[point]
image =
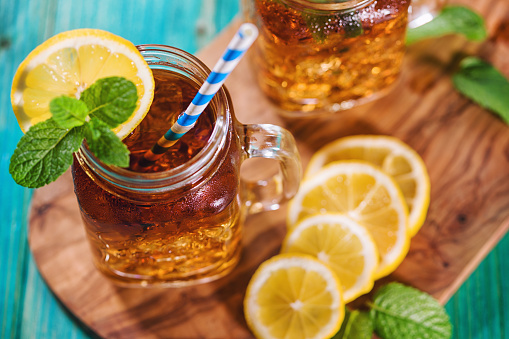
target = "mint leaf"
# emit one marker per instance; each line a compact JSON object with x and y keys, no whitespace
{"x":111,"y":100}
{"x":316,"y":25}
{"x":68,"y":112}
{"x":44,"y":153}
{"x":400,"y":311}
{"x":319,"y":25}
{"x":451,"y":20}
{"x":105,"y":144}
{"x":481,"y":82}
{"x":356,"y":325}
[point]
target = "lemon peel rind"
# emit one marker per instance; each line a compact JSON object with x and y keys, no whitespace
{"x":365,"y":282}
{"x":284,"y":261}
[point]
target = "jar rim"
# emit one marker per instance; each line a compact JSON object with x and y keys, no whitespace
{"x":331,"y":5}
{"x":193,"y":169}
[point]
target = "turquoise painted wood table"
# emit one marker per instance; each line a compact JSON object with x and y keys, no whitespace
{"x":479,"y":309}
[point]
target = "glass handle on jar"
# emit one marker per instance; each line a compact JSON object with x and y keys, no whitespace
{"x":271,"y":142}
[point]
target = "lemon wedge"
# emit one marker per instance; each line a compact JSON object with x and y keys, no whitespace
{"x":394,"y":157}
{"x":367,"y":195}
{"x":294,"y":296}
{"x":71,"y":61}
{"x":341,"y":243}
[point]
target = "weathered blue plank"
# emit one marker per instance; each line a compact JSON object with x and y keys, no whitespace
{"x":16,"y":38}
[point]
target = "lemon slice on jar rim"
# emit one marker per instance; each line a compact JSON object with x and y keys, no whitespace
{"x":70,"y":62}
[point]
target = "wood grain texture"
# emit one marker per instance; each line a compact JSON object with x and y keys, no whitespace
{"x":465,"y":148}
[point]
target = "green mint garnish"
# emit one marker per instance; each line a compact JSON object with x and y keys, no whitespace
{"x":105,"y":144}
{"x":44,"y":153}
{"x":401,"y":312}
{"x":484,"y":84}
{"x":68,"y":112}
{"x":356,"y":325}
{"x":111,"y":100}
{"x":353,"y":25}
{"x":318,"y":24}
{"x":46,"y":150}
{"x":451,"y":20}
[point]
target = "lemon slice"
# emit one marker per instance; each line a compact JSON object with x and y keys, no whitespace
{"x":294,"y":296}
{"x":68,"y":63}
{"x":365,"y":194}
{"x":395,"y":158}
{"x":343,"y":244}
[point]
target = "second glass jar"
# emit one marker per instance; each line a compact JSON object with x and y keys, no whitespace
{"x":317,"y":57}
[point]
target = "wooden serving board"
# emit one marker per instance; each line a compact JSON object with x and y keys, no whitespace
{"x":465,"y":148}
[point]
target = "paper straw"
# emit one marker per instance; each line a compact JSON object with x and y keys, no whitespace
{"x":236,"y":49}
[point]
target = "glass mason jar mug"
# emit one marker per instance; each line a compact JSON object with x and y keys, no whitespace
{"x":181,"y":222}
{"x":325,"y":56}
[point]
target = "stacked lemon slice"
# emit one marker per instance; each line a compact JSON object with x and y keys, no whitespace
{"x":362,"y":200}
{"x":341,"y":243}
{"x":393,"y":157}
{"x":365,"y":194}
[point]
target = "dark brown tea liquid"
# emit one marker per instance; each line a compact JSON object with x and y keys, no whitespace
{"x":172,"y":94}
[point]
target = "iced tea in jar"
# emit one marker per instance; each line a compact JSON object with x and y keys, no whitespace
{"x":179,"y":222}
{"x":325,"y":56}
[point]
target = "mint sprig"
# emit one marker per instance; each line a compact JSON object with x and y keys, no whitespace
{"x":484,"y":84}
{"x":105,"y":144}
{"x":451,"y":20}
{"x":44,"y":153}
{"x":317,"y":24}
{"x":475,"y":78}
{"x":46,"y":150}
{"x":68,"y":112}
{"x":398,"y":312}
{"x":356,"y":325}
{"x":111,"y":100}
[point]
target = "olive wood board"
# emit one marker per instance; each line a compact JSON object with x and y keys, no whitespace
{"x":465,"y":148}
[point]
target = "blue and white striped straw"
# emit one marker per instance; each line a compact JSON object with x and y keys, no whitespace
{"x":237,"y":47}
